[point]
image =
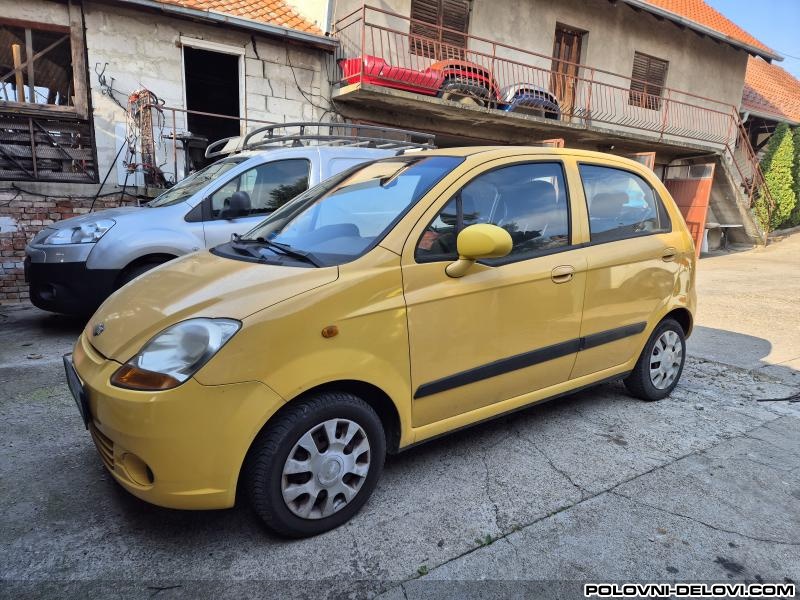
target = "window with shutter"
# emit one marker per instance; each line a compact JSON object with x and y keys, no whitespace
{"x":647,"y":81}
{"x":438,"y":28}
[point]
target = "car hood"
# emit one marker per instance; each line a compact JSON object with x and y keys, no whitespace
{"x":200,"y":284}
{"x":111,"y":213}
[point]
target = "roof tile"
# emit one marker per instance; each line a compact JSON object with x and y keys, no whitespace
{"x":272,"y":12}
{"x":770,"y":89}
{"x":700,"y":12}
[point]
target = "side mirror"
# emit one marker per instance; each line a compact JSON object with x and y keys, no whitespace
{"x":476,"y":242}
{"x":238,"y":205}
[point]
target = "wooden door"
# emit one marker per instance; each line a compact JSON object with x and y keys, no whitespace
{"x":690,"y":187}
{"x":566,"y":54}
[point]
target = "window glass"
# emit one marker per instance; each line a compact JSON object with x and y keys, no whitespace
{"x":621,"y":204}
{"x":341,"y":218}
{"x":269,"y":186}
{"x":185,"y":189}
{"x":529,"y":201}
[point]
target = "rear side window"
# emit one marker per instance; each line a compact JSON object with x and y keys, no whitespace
{"x":621,"y":205}
{"x":527,"y":200}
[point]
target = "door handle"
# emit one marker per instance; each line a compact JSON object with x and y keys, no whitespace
{"x":669,"y":254}
{"x":562,"y":274}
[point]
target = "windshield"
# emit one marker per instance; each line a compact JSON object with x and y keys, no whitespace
{"x":195,"y":182}
{"x":342,"y":218}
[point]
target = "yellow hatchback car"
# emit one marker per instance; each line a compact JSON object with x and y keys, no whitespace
{"x":398,"y":301}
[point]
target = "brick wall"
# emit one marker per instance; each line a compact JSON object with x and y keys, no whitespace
{"x":22,"y":216}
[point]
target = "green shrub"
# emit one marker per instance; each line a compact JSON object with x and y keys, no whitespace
{"x":794,"y":218}
{"x":777,"y":166}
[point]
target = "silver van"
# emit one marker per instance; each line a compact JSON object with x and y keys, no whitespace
{"x":73,"y":265}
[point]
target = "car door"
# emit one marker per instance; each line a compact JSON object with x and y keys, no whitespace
{"x":510,"y":326}
{"x":633,"y":264}
{"x":268,"y":185}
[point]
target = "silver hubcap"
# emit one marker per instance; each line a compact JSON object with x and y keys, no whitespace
{"x":326,"y":469}
{"x":665,"y":360}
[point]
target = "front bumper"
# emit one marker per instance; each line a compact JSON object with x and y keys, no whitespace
{"x":66,"y":287}
{"x":180,"y":448}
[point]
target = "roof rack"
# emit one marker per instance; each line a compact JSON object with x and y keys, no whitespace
{"x":329,"y":134}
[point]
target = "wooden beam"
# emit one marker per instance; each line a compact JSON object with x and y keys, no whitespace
{"x":22,"y":24}
{"x":20,"y":83}
{"x":78,"y":47}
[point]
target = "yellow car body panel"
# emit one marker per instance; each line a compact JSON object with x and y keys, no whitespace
{"x":404,"y":329}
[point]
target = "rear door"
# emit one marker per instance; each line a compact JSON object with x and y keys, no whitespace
{"x":268,"y":185}
{"x":632,"y":264}
{"x":510,"y":326}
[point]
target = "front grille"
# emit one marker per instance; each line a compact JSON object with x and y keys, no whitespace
{"x":105,"y":447}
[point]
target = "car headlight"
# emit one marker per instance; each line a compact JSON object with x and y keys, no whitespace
{"x":83,"y":234}
{"x":175,"y":354}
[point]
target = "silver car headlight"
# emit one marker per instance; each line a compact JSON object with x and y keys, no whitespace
{"x":86,"y":233}
{"x":175,"y":354}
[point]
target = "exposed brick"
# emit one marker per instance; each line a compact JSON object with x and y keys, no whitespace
{"x":32,"y":213}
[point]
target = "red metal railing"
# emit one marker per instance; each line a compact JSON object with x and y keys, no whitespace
{"x":376,"y":48}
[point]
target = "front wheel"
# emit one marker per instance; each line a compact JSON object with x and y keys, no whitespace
{"x":316,"y":465}
{"x":661,"y":363}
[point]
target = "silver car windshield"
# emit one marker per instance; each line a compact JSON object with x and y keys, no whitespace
{"x":337,"y":223}
{"x":195,"y":182}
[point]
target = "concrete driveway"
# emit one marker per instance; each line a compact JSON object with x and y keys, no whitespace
{"x":704,"y":485}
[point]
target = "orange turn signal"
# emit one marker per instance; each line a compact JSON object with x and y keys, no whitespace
{"x":133,"y":378}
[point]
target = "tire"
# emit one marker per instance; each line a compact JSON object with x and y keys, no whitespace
{"x":287,"y":436}
{"x":641,"y":383}
{"x":132,"y":273}
{"x":461,"y":90}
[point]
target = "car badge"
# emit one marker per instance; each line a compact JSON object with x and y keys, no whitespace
{"x":98,"y":329}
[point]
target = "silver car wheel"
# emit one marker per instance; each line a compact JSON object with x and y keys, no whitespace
{"x":325,"y":469}
{"x":666,"y":359}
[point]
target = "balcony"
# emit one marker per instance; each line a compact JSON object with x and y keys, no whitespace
{"x":507,"y":94}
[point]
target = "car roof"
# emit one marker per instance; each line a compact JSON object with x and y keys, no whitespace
{"x":494,"y":152}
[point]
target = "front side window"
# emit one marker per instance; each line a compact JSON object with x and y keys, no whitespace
{"x":185,"y":189}
{"x":268,"y":186}
{"x":340,"y":219}
{"x":528,"y":200}
{"x":621,"y":205}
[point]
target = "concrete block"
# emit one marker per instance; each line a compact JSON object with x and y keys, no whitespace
{"x":253,"y":67}
{"x":282,"y":106}
{"x":258,"y":85}
{"x":255,"y":102}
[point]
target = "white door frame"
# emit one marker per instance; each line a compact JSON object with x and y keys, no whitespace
{"x":224,"y":49}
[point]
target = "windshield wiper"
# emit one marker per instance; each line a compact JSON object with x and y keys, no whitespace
{"x":293,"y":252}
{"x":240,"y":243}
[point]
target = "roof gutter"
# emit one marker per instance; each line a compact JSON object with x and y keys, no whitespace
{"x":748,"y":111}
{"x":695,"y":26}
{"x":221,"y":18}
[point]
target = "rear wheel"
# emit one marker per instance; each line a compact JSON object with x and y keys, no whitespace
{"x":316,"y":465}
{"x":660,"y":365}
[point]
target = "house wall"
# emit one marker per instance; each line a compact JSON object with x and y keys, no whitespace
{"x":151,"y":57}
{"x":697,"y":65}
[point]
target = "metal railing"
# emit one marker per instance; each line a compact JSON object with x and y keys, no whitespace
{"x":376,"y":48}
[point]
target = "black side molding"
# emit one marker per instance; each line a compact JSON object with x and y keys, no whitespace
{"x":612,"y":335}
{"x":527,"y":359}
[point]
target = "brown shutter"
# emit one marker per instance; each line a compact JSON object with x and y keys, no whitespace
{"x":428,"y":17}
{"x":647,"y":81}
